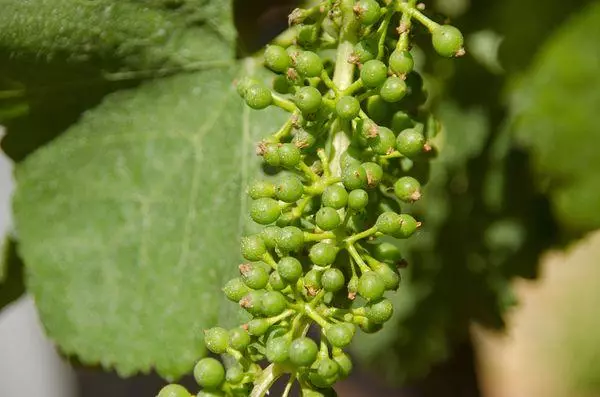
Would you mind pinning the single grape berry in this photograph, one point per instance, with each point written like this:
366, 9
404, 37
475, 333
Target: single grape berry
276, 282
234, 374
410, 143
253, 247
303, 139
309, 64
374, 174
323, 254
408, 226
265, 211
239, 339
383, 142
281, 84
303, 352
273, 303
393, 89
289, 268
216, 340
354, 177
276, 58
327, 368
358, 199
289, 189
373, 73
258, 96
308, 99
255, 277
407, 189
278, 350
235, 289
369, 327
401, 121
371, 286
333, 280
327, 218
334, 196
243, 84
269, 235
387, 252
290, 239
377, 109
252, 302
312, 279
261, 189
401, 62
209, 373
350, 157
344, 362
389, 223
389, 275
368, 11
340, 335
270, 153
366, 49
447, 40
289, 155
210, 393
347, 107
258, 326
379, 311
173, 391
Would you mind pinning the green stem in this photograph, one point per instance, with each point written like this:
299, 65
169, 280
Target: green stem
383, 28
358, 259
266, 379
316, 317
288, 386
418, 15
405, 25
284, 104
318, 236
364, 234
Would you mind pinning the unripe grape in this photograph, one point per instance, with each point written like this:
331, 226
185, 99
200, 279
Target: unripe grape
277, 282
369, 327
447, 40
258, 96
340, 335
290, 269
309, 64
387, 252
216, 340
366, 49
374, 174
273, 303
371, 286
354, 177
327, 218
323, 254
276, 58
290, 239
281, 85
239, 339
393, 89
410, 143
312, 279
373, 73
278, 350
401, 121
265, 210
303, 351
270, 153
289, 189
358, 199
261, 189
333, 280
379, 311
234, 375
407, 189
384, 142
308, 99
173, 391
368, 11
252, 302
377, 109
258, 326
289, 155
335, 196
254, 277
344, 362
347, 107
401, 62
408, 226
243, 84
235, 289
269, 235
389, 223
253, 247
210, 393
308, 35
209, 373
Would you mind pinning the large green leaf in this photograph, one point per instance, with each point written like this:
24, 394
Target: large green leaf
129, 222
555, 109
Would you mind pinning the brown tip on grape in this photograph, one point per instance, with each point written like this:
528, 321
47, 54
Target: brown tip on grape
245, 327
460, 53
402, 28
402, 264
419, 224
351, 295
421, 6
373, 132
245, 302
261, 148
245, 268
354, 59
415, 196
312, 291
427, 148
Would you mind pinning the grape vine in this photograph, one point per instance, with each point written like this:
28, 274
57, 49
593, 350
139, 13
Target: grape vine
348, 161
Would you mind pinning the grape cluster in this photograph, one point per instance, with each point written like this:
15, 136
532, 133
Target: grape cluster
347, 162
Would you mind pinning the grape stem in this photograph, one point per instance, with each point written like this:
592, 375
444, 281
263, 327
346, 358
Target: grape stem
263, 383
406, 8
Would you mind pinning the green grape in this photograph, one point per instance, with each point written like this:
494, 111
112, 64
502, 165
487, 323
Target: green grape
290, 269
373, 73
281, 85
289, 189
253, 248
379, 311
265, 210
289, 155
308, 99
335, 196
287, 219
319, 381
271, 155
358, 199
371, 286
327, 218
255, 277
407, 189
366, 49
384, 142
368, 11
273, 303
252, 302
303, 351
401, 121
235, 289
447, 40
401, 62
333, 280
323, 254
304, 139
354, 177
410, 143
261, 189
347, 107
258, 96
276, 58
389, 223
344, 362
309, 64
243, 84
350, 157
327, 368
277, 282
173, 391
258, 326
269, 235
377, 109
408, 226
210, 393
312, 279
209, 373
216, 340
387, 252
340, 335
239, 339
369, 327
393, 89
278, 350
234, 375
290, 239
374, 174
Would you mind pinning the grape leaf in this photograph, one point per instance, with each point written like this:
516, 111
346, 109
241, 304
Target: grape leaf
129, 222
554, 108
